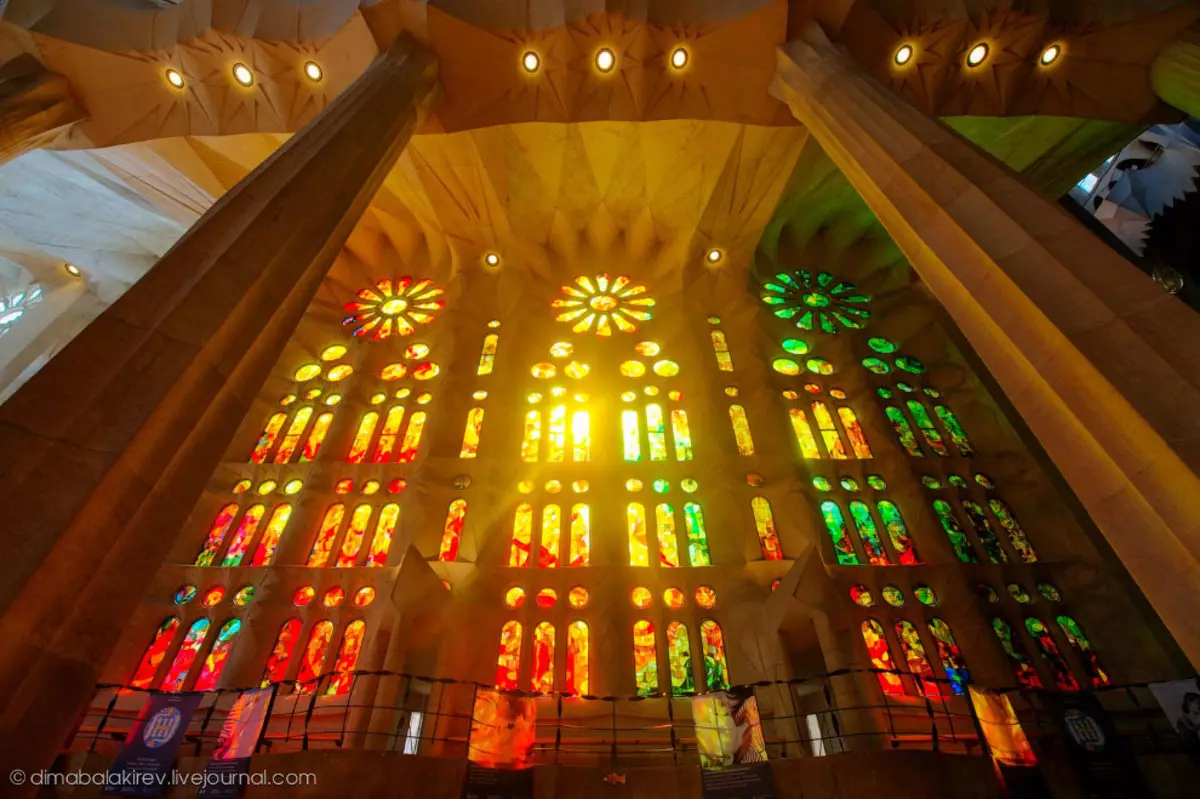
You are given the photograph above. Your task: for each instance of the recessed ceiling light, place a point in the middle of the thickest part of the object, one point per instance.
(243, 75)
(679, 58)
(313, 70)
(605, 60)
(977, 55)
(174, 78)
(904, 54)
(714, 256)
(492, 259)
(531, 62)
(72, 270)
(1050, 54)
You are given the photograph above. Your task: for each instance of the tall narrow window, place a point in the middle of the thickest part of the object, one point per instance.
(804, 435)
(551, 534)
(312, 444)
(679, 656)
(764, 522)
(635, 519)
(829, 433)
(1027, 676)
(155, 652)
(362, 438)
(412, 438)
(835, 523)
(581, 436)
(881, 657)
(854, 431)
(487, 357)
(958, 539)
(518, 553)
(387, 437)
(267, 440)
(914, 653)
(932, 437)
(245, 531)
(741, 430)
(385, 528)
(265, 552)
(323, 546)
(216, 534)
(957, 436)
(950, 655)
(577, 658)
(292, 437)
(352, 543)
(721, 349)
(631, 435)
(983, 529)
(556, 441)
(281, 653)
(668, 544)
(682, 434)
(186, 655)
(1083, 648)
(214, 664)
(893, 522)
(1015, 534)
(543, 658)
(341, 676)
(456, 516)
(716, 671)
(470, 444)
(904, 433)
(531, 442)
(1063, 678)
(865, 524)
(580, 535)
(508, 663)
(697, 535)
(645, 658)
(656, 432)
(312, 664)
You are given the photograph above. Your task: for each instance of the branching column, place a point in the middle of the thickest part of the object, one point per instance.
(1103, 365)
(35, 105)
(106, 449)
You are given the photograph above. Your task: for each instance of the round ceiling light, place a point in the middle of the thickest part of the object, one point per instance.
(531, 62)
(72, 270)
(605, 60)
(243, 75)
(174, 78)
(714, 256)
(978, 55)
(1050, 55)
(679, 58)
(313, 71)
(904, 54)
(492, 259)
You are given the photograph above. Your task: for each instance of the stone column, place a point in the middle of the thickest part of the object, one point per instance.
(105, 450)
(1175, 74)
(1102, 364)
(35, 106)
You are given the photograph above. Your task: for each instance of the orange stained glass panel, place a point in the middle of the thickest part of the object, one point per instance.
(153, 656)
(385, 529)
(292, 437)
(362, 439)
(543, 658)
(645, 658)
(470, 443)
(508, 664)
(804, 435)
(412, 438)
(721, 350)
(353, 541)
(881, 657)
(551, 536)
(316, 437)
(764, 522)
(581, 436)
(829, 433)
(387, 437)
(267, 440)
(241, 538)
(577, 658)
(580, 535)
(668, 543)
(741, 430)
(265, 551)
(216, 534)
(487, 357)
(214, 664)
(532, 441)
(281, 653)
(326, 535)
(854, 431)
(313, 661)
(341, 677)
(186, 656)
(557, 439)
(456, 516)
(639, 552)
(518, 553)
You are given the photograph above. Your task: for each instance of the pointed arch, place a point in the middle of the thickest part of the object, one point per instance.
(216, 534)
(323, 545)
(542, 680)
(214, 664)
(950, 655)
(362, 438)
(697, 533)
(518, 553)
(679, 658)
(918, 662)
(456, 516)
(352, 542)
(864, 522)
(764, 522)
(292, 437)
(265, 551)
(186, 656)
(645, 658)
(1063, 678)
(156, 650)
(716, 669)
(551, 537)
(635, 519)
(245, 531)
(341, 676)
(581, 535)
(577, 658)
(881, 657)
(668, 544)
(1083, 648)
(312, 444)
(281, 653)
(266, 441)
(508, 663)
(897, 532)
(385, 529)
(1027, 676)
(312, 663)
(835, 523)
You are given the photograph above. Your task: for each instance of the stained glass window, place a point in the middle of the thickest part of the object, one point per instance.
(556, 440)
(412, 437)
(352, 543)
(957, 436)
(804, 434)
(241, 538)
(392, 423)
(764, 522)
(868, 534)
(721, 349)
(269, 542)
(316, 437)
(216, 534)
(716, 671)
(551, 534)
(958, 539)
(904, 433)
(393, 308)
(1016, 535)
(456, 516)
(531, 442)
(639, 551)
(214, 664)
(741, 430)
(829, 433)
(835, 523)
(341, 676)
(679, 652)
(326, 534)
(1083, 648)
(668, 544)
(854, 431)
(645, 658)
(950, 655)
(292, 438)
(893, 522)
(267, 440)
(147, 668)
(656, 432)
(914, 653)
(577, 658)
(518, 554)
(281, 653)
(1027, 676)
(630, 435)
(385, 528)
(362, 439)
(186, 656)
(682, 435)
(487, 357)
(697, 535)
(313, 660)
(928, 430)
(592, 304)
(881, 657)
(508, 665)
(580, 535)
(1063, 678)
(581, 436)
(983, 529)
(815, 302)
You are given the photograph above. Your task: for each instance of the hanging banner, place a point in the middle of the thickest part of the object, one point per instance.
(497, 783)
(144, 763)
(1180, 701)
(1001, 729)
(728, 729)
(1101, 763)
(226, 773)
(502, 730)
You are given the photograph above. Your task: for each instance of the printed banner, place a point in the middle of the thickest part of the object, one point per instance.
(748, 781)
(225, 773)
(502, 730)
(1104, 768)
(496, 783)
(728, 729)
(1180, 700)
(1001, 729)
(144, 762)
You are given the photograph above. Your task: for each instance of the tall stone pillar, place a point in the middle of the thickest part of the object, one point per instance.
(105, 450)
(35, 105)
(1102, 364)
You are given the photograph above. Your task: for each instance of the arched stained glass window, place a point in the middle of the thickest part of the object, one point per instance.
(508, 664)
(341, 676)
(682, 434)
(292, 437)
(518, 553)
(679, 652)
(631, 435)
(581, 436)
(983, 529)
(881, 657)
(764, 522)
(656, 432)
(267, 440)
(716, 671)
(635, 518)
(543, 658)
(835, 523)
(487, 356)
(904, 433)
(362, 439)
(216, 534)
(932, 437)
(580, 536)
(697, 534)
(456, 516)
(551, 535)
(577, 658)
(957, 436)
(265, 552)
(914, 653)
(214, 664)
(868, 534)
(412, 438)
(241, 538)
(721, 350)
(556, 441)
(854, 432)
(281, 653)
(312, 445)
(804, 435)
(392, 423)
(323, 545)
(958, 539)
(668, 544)
(1083, 648)
(1027, 676)
(186, 656)
(1063, 678)
(352, 543)
(1016, 535)
(645, 658)
(741, 430)
(147, 668)
(893, 522)
(385, 529)
(950, 655)
(829, 432)
(532, 440)
(312, 663)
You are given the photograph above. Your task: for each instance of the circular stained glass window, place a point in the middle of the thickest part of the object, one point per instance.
(673, 598)
(675, 396)
(397, 485)
(666, 368)
(544, 371)
(344, 486)
(579, 486)
(647, 349)
(633, 484)
(333, 597)
(893, 596)
(925, 595)
(561, 349)
(333, 352)
(775, 584)
(651, 391)
(303, 596)
(370, 487)
(932, 392)
(642, 597)
(241, 486)
(985, 481)
(849, 483)
(821, 483)
(987, 593)
(881, 345)
(378, 399)
(931, 482)
(307, 372)
(340, 372)
(1049, 591)
(785, 366)
(661, 486)
(213, 596)
(819, 366)
(956, 481)
(876, 482)
(795, 346)
(905, 387)
(862, 596)
(244, 596)
(577, 370)
(876, 365)
(837, 393)
(731, 391)
(292, 486)
(393, 371)
(553, 486)
(287, 399)
(633, 368)
(525, 486)
(885, 393)
(546, 598)
(426, 371)
(706, 597)
(1019, 593)
(333, 399)
(514, 597)
(423, 398)
(415, 352)
(185, 594)
(688, 485)
(266, 487)
(578, 597)
(364, 596)
(910, 364)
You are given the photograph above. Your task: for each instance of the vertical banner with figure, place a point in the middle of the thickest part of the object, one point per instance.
(1104, 768)
(500, 747)
(733, 751)
(240, 734)
(144, 762)
(1180, 701)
